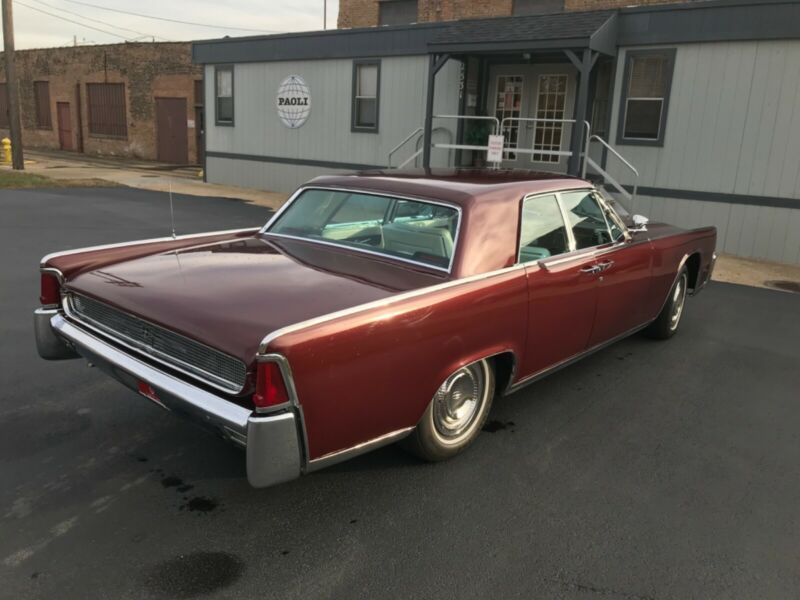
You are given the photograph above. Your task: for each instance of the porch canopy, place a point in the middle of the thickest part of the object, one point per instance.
(581, 36)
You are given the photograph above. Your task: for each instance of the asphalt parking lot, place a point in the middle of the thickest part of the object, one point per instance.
(651, 470)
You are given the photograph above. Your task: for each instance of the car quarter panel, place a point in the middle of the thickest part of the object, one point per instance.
(368, 373)
(672, 247)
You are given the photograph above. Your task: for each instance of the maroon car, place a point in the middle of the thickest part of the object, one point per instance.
(372, 307)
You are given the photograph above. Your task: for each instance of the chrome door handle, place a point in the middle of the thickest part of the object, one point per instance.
(591, 269)
(605, 265)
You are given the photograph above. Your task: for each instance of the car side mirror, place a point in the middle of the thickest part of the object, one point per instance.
(639, 223)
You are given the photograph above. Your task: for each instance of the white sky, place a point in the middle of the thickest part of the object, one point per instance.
(34, 29)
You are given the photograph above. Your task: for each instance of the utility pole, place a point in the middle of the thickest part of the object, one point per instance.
(324, 14)
(17, 161)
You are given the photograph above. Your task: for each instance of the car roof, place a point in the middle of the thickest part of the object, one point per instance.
(458, 186)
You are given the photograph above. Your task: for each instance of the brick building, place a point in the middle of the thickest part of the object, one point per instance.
(139, 100)
(371, 13)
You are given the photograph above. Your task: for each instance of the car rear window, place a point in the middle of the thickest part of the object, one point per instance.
(410, 230)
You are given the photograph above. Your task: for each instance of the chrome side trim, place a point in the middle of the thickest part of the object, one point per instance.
(382, 303)
(305, 188)
(568, 257)
(527, 380)
(348, 453)
(674, 281)
(189, 236)
(59, 275)
(168, 361)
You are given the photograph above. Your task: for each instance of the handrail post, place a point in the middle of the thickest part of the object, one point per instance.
(586, 148)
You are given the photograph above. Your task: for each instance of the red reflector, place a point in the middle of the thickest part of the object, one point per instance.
(270, 387)
(146, 390)
(50, 290)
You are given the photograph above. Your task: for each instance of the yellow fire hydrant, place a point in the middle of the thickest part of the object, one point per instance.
(6, 151)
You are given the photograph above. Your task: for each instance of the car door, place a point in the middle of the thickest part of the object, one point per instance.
(562, 286)
(624, 266)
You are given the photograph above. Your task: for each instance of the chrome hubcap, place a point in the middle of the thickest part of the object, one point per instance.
(457, 402)
(678, 300)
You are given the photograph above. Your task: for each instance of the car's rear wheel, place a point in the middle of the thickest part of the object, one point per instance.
(455, 415)
(667, 322)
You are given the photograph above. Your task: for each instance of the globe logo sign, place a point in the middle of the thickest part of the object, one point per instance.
(293, 101)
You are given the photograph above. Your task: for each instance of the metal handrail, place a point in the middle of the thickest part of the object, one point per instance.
(409, 159)
(604, 173)
(550, 152)
(407, 139)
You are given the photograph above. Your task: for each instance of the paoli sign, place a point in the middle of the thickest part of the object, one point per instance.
(293, 101)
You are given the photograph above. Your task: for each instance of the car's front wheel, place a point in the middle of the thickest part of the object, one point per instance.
(666, 324)
(455, 415)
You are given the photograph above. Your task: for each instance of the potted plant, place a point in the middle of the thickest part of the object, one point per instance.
(477, 134)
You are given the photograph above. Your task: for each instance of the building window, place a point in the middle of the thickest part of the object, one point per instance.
(397, 12)
(366, 95)
(223, 94)
(551, 103)
(536, 7)
(41, 98)
(107, 115)
(199, 95)
(645, 97)
(3, 107)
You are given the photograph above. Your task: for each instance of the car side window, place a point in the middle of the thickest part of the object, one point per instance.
(586, 218)
(542, 229)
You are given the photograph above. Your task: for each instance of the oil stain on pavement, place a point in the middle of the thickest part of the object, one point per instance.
(193, 575)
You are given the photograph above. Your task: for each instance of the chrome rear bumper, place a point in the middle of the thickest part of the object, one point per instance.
(272, 442)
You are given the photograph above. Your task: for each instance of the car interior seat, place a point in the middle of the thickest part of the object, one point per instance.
(411, 239)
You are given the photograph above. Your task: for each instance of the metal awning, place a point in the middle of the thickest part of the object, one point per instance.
(593, 30)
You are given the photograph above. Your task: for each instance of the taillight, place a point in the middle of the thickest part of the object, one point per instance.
(50, 290)
(270, 387)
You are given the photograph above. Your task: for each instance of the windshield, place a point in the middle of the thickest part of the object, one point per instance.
(412, 230)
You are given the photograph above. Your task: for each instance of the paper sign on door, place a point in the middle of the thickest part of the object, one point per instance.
(495, 152)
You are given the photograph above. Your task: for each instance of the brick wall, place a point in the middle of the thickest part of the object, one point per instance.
(147, 70)
(364, 13)
(449, 10)
(357, 13)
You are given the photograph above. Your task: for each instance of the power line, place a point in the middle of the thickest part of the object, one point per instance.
(125, 12)
(69, 12)
(72, 21)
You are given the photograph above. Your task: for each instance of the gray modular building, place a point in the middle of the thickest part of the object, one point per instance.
(701, 99)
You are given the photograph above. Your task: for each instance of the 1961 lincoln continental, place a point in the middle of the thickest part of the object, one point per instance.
(371, 308)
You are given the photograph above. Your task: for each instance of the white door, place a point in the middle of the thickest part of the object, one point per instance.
(509, 103)
(553, 101)
(528, 91)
